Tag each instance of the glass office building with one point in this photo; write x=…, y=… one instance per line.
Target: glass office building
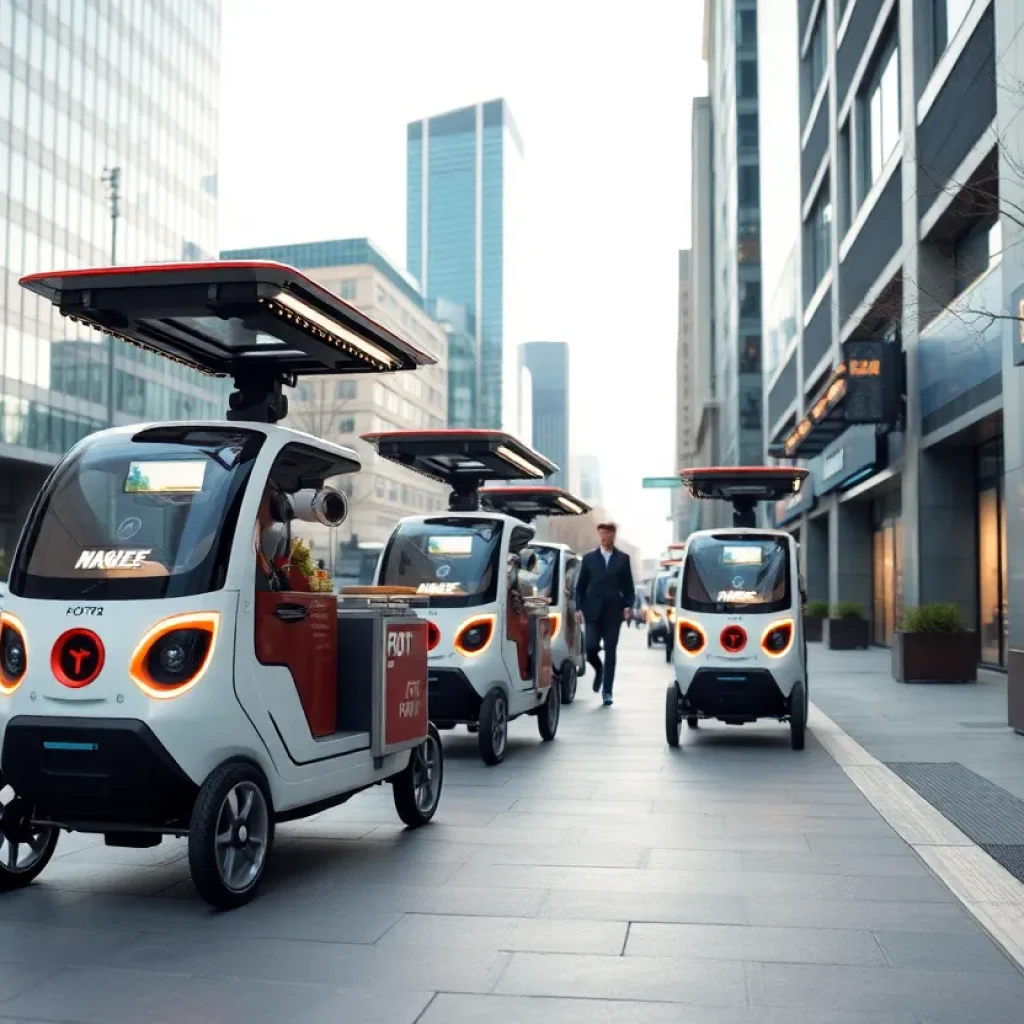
x=464, y=236
x=86, y=86
x=548, y=363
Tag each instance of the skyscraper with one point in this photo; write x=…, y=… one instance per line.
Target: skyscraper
x=85, y=87
x=548, y=402
x=464, y=236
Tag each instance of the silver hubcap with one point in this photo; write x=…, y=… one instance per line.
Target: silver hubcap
x=425, y=775
x=499, y=726
x=242, y=829
x=20, y=855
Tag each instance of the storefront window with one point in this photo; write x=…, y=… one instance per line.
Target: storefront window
x=991, y=554
x=887, y=569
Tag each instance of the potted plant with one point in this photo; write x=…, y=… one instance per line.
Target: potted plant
x=846, y=629
x=815, y=613
x=931, y=645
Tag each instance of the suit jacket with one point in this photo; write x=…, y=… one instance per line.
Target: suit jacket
x=604, y=589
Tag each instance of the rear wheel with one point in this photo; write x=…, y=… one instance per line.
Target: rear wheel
x=493, y=735
x=673, y=717
x=25, y=849
x=549, y=715
x=798, y=716
x=650, y=639
x=417, y=787
x=668, y=648
x=567, y=682
x=230, y=835
x=691, y=722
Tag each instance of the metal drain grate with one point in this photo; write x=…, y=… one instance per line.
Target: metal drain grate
x=985, y=812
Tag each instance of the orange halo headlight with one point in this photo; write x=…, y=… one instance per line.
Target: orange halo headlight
x=13, y=653
x=777, y=638
x=175, y=654
x=692, y=639
x=474, y=636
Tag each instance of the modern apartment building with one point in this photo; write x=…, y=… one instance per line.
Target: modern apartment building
x=85, y=88
x=908, y=150
x=466, y=237
x=548, y=399
x=341, y=409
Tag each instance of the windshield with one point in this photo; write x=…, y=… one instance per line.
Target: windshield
x=737, y=573
x=544, y=578
x=453, y=559
x=661, y=590
x=149, y=517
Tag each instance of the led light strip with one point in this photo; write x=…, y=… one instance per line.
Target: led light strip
x=570, y=506
x=340, y=334
x=519, y=462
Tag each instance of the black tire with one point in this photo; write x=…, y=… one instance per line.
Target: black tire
x=798, y=716
x=233, y=812
x=673, y=719
x=493, y=734
x=29, y=848
x=550, y=714
x=650, y=639
x=691, y=722
x=567, y=682
x=668, y=651
x=417, y=787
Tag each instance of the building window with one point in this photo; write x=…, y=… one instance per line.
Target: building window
x=750, y=300
x=992, y=561
x=748, y=187
x=349, y=290
x=347, y=425
x=887, y=569
x=974, y=252
x=746, y=132
x=816, y=57
x=947, y=17
x=880, y=113
x=746, y=27
x=746, y=79
x=818, y=231
x=345, y=389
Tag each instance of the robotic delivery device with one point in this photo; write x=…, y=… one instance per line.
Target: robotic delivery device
x=489, y=634
x=740, y=652
x=164, y=670
x=555, y=574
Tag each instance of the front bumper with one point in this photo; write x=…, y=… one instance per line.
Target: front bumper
x=735, y=695
x=95, y=772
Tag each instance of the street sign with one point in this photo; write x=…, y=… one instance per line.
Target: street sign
x=662, y=481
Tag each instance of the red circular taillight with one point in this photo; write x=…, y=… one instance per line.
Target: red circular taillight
x=77, y=658
x=433, y=635
x=733, y=639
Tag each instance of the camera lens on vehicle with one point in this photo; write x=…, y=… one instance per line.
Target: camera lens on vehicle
x=13, y=654
x=691, y=639
x=173, y=658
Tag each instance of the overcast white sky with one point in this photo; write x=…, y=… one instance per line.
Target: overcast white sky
x=317, y=93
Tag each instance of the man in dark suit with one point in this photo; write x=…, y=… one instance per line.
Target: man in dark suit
x=604, y=593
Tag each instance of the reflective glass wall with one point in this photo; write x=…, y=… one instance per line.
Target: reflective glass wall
x=85, y=86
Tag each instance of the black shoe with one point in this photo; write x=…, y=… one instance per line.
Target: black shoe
x=598, y=679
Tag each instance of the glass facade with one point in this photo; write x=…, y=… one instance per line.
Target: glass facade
x=462, y=171
x=992, y=554
x=548, y=363
x=86, y=86
x=887, y=569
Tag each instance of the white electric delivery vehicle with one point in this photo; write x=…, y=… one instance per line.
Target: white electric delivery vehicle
x=739, y=652
x=489, y=635
x=164, y=669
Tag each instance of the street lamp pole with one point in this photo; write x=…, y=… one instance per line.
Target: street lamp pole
x=112, y=179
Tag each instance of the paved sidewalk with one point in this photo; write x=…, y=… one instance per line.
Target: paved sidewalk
x=600, y=879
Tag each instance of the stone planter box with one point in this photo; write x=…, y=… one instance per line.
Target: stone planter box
x=846, y=634
x=935, y=657
x=812, y=630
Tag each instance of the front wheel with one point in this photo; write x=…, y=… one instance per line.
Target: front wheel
x=493, y=736
x=25, y=849
x=798, y=716
x=547, y=719
x=668, y=650
x=417, y=787
x=673, y=718
x=650, y=639
x=230, y=835
x=567, y=682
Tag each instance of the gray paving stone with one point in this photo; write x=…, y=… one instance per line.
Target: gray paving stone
x=645, y=906
x=684, y=838
x=642, y=979
x=869, y=865
x=494, y=901
x=764, y=944
x=100, y=997
x=941, y=952
x=18, y=978
x=946, y=918
x=35, y=944
x=537, y=935
x=990, y=997
x=851, y=846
